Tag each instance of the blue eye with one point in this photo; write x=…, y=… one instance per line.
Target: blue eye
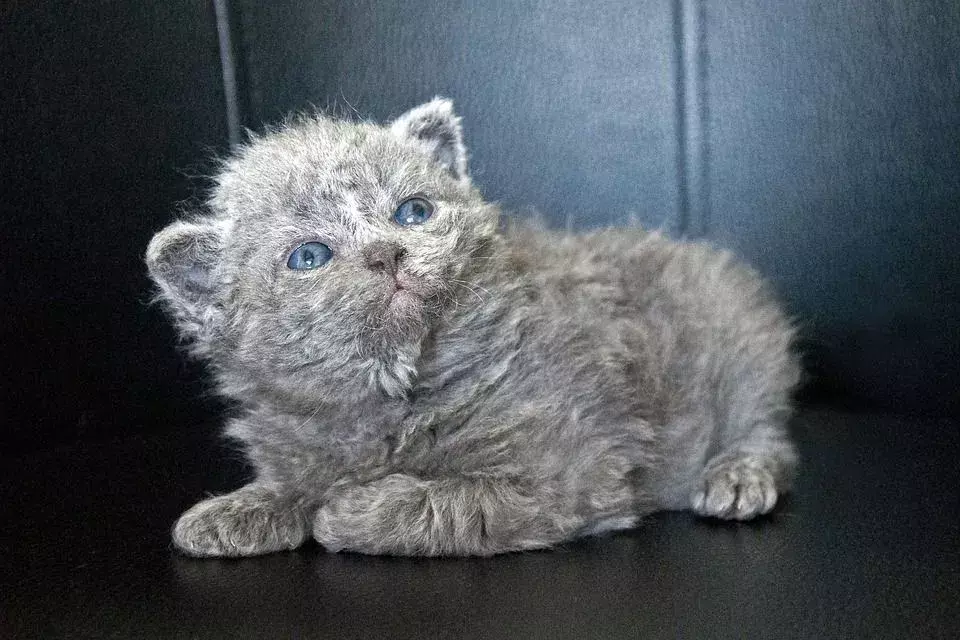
x=413, y=211
x=309, y=256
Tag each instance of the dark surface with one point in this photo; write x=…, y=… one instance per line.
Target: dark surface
x=867, y=547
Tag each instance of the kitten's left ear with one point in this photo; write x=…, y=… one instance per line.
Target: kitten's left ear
x=437, y=127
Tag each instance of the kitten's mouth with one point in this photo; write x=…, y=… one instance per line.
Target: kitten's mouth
x=402, y=281
x=401, y=294
x=404, y=290
x=403, y=310
x=407, y=295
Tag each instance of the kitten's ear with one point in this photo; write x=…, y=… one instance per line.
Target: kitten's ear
x=183, y=261
x=437, y=127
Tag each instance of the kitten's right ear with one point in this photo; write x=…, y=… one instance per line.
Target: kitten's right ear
x=183, y=260
x=436, y=126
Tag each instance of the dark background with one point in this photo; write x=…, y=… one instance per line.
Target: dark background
x=820, y=141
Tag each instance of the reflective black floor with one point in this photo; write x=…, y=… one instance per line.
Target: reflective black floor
x=867, y=547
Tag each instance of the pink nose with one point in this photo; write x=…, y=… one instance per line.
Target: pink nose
x=384, y=256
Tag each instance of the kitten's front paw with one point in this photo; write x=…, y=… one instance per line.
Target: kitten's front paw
x=370, y=518
x=246, y=522
x=737, y=489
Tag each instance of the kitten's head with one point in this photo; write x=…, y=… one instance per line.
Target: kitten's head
x=330, y=251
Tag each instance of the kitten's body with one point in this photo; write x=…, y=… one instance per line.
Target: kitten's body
x=520, y=388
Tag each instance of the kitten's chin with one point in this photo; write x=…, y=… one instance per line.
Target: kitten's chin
x=403, y=300
x=401, y=319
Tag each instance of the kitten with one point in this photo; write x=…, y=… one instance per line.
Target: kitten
x=414, y=380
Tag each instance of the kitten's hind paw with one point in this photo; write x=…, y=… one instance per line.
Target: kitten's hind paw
x=736, y=489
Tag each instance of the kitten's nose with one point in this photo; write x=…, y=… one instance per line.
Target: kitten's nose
x=384, y=256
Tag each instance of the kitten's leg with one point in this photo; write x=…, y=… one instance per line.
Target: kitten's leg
x=403, y=515
x=250, y=521
x=752, y=461
x=743, y=483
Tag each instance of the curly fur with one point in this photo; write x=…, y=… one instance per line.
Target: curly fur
x=524, y=387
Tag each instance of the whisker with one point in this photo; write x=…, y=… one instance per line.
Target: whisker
x=312, y=416
x=479, y=297
x=473, y=284
x=469, y=288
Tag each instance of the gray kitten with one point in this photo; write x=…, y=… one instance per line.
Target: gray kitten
x=414, y=380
